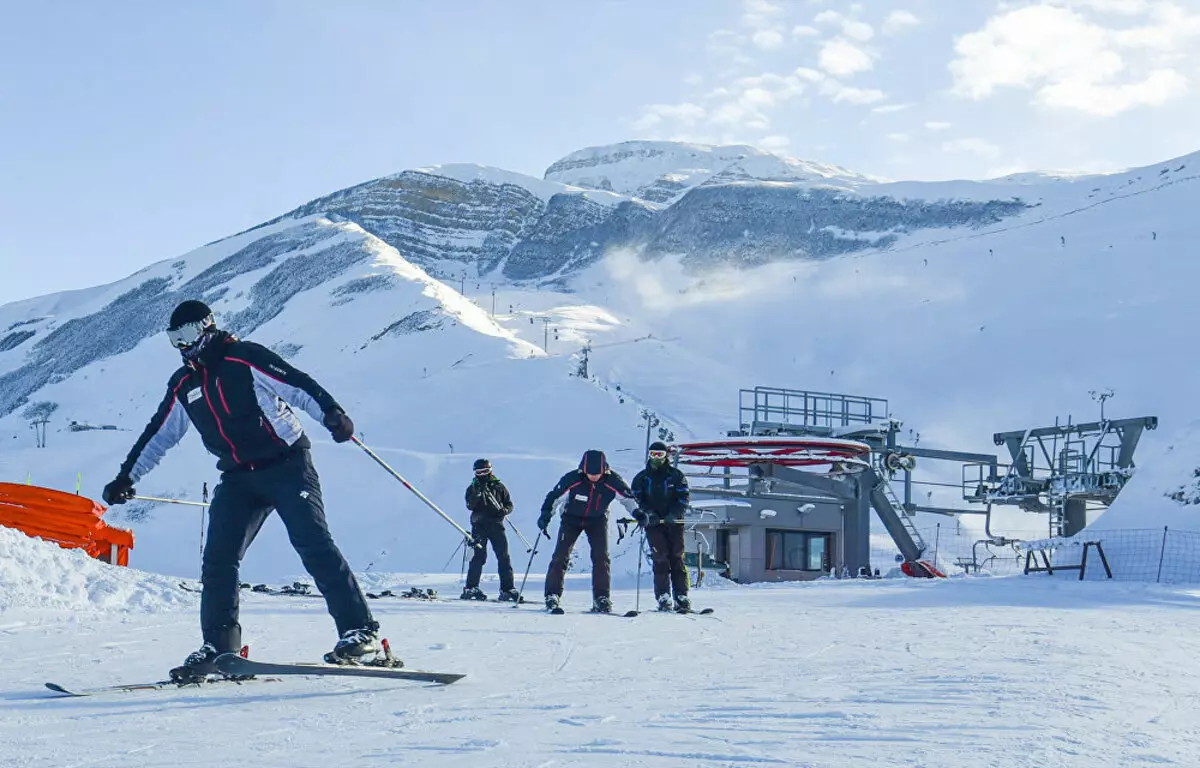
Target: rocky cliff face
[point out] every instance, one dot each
(709, 205)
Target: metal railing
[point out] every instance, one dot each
(767, 410)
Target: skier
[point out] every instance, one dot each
(237, 394)
(489, 503)
(662, 496)
(589, 489)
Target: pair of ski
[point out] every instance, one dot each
(630, 614)
(234, 664)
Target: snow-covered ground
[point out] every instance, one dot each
(979, 671)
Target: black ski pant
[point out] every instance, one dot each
(568, 534)
(666, 551)
(240, 505)
(491, 532)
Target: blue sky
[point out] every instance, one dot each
(135, 131)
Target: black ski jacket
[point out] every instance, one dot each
(587, 501)
(237, 395)
(663, 491)
(488, 499)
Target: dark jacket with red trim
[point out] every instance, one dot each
(587, 501)
(239, 395)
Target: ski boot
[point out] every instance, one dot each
(354, 645)
(664, 603)
(683, 604)
(472, 593)
(509, 596)
(552, 603)
(196, 667)
(602, 605)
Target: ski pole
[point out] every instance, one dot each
(416, 493)
(637, 602)
(529, 565)
(511, 524)
(170, 501)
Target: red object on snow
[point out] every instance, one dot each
(921, 569)
(68, 520)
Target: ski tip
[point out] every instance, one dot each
(59, 689)
(630, 614)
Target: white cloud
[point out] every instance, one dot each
(936, 125)
(1156, 89)
(899, 138)
(838, 91)
(887, 109)
(1070, 61)
(1125, 7)
(851, 28)
(760, 13)
(842, 58)
(972, 146)
(685, 115)
(693, 79)
(803, 30)
(725, 42)
(850, 94)
(767, 39)
(774, 142)
(898, 21)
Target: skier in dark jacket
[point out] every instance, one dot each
(662, 495)
(489, 502)
(589, 490)
(237, 394)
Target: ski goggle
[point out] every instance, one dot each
(189, 333)
(658, 455)
(483, 472)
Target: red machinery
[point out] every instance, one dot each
(784, 451)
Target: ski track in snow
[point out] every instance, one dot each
(985, 672)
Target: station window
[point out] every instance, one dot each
(798, 550)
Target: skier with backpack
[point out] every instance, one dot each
(489, 503)
(662, 494)
(239, 395)
(589, 490)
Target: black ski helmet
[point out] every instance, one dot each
(657, 445)
(190, 311)
(593, 463)
(482, 466)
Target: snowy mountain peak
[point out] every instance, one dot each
(662, 171)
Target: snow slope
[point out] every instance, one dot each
(894, 674)
(662, 171)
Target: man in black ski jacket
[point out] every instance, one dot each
(662, 494)
(589, 491)
(489, 503)
(237, 394)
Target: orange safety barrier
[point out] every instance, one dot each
(71, 521)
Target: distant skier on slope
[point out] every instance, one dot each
(489, 503)
(662, 495)
(237, 394)
(590, 489)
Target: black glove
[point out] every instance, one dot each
(544, 519)
(653, 518)
(118, 491)
(640, 517)
(339, 425)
